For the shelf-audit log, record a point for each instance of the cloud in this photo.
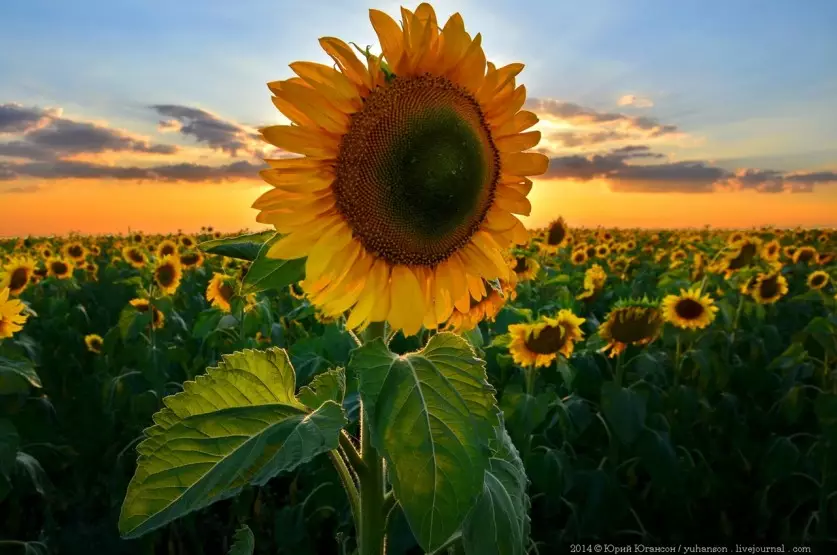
(21, 190)
(635, 101)
(576, 114)
(16, 118)
(769, 181)
(204, 127)
(183, 172)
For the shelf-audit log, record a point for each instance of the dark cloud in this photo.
(769, 181)
(219, 134)
(575, 113)
(186, 172)
(16, 118)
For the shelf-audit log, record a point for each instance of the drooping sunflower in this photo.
(168, 273)
(94, 343)
(296, 290)
(166, 248)
(826, 258)
(557, 235)
(525, 268)
(540, 343)
(220, 291)
(414, 164)
(804, 255)
(769, 288)
(134, 256)
(630, 322)
(743, 255)
(17, 274)
(193, 259)
(59, 268)
(12, 317)
(689, 310)
(818, 279)
(467, 317)
(158, 319)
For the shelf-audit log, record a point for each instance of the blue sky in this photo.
(747, 83)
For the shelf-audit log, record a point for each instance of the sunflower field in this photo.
(396, 365)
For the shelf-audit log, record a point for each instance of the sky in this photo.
(119, 115)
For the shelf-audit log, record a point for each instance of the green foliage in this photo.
(243, 247)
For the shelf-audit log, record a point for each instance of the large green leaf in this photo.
(269, 273)
(431, 415)
(243, 247)
(328, 386)
(17, 376)
(243, 542)
(499, 523)
(238, 424)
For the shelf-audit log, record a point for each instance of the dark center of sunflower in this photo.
(769, 288)
(416, 171)
(95, 344)
(59, 268)
(818, 280)
(635, 326)
(520, 265)
(137, 238)
(136, 256)
(556, 234)
(46, 253)
(18, 279)
(805, 255)
(156, 316)
(165, 275)
(75, 251)
(189, 259)
(226, 291)
(689, 309)
(591, 251)
(142, 307)
(166, 249)
(578, 257)
(549, 340)
(186, 242)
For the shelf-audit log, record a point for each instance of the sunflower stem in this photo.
(677, 354)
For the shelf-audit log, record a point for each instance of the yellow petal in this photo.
(524, 163)
(476, 287)
(382, 303)
(299, 243)
(454, 43)
(459, 285)
(510, 200)
(298, 164)
(315, 108)
(519, 142)
(298, 182)
(343, 56)
(375, 288)
(498, 219)
(390, 37)
(407, 301)
(338, 88)
(442, 303)
(513, 123)
(470, 72)
(492, 251)
(302, 140)
(325, 249)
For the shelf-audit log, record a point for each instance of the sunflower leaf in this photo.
(244, 543)
(328, 386)
(242, 247)
(269, 273)
(431, 415)
(238, 424)
(17, 376)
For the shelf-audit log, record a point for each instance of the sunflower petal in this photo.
(524, 163)
(302, 140)
(407, 301)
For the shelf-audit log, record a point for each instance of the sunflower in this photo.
(804, 255)
(818, 279)
(137, 238)
(824, 259)
(413, 168)
(769, 288)
(746, 251)
(59, 268)
(95, 250)
(94, 343)
(557, 235)
(46, 252)
(17, 275)
(187, 241)
(296, 290)
(220, 291)
(11, 314)
(216, 235)
(689, 310)
(92, 270)
(698, 266)
(158, 319)
(578, 257)
(166, 248)
(167, 274)
(540, 343)
(525, 268)
(75, 251)
(193, 259)
(134, 256)
(630, 322)
(771, 250)
(602, 251)
(466, 317)
(594, 281)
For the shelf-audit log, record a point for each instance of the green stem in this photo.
(620, 369)
(351, 452)
(371, 529)
(677, 363)
(348, 481)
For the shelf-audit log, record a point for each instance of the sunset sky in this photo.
(142, 114)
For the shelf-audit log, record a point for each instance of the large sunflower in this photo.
(630, 322)
(689, 310)
(167, 274)
(769, 288)
(11, 315)
(17, 274)
(134, 256)
(414, 164)
(540, 343)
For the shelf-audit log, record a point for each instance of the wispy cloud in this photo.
(210, 129)
(635, 101)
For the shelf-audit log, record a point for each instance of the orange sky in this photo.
(90, 207)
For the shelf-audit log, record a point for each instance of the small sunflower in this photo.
(540, 343)
(193, 259)
(769, 288)
(789, 251)
(59, 268)
(75, 251)
(578, 257)
(166, 248)
(698, 266)
(557, 235)
(771, 250)
(689, 310)
(92, 270)
(746, 250)
(630, 322)
(824, 259)
(12, 317)
(187, 241)
(138, 238)
(804, 255)
(168, 273)
(818, 279)
(158, 319)
(134, 256)
(46, 252)
(94, 343)
(296, 291)
(602, 251)
(217, 235)
(17, 274)
(525, 268)
(95, 250)
(412, 171)
(220, 291)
